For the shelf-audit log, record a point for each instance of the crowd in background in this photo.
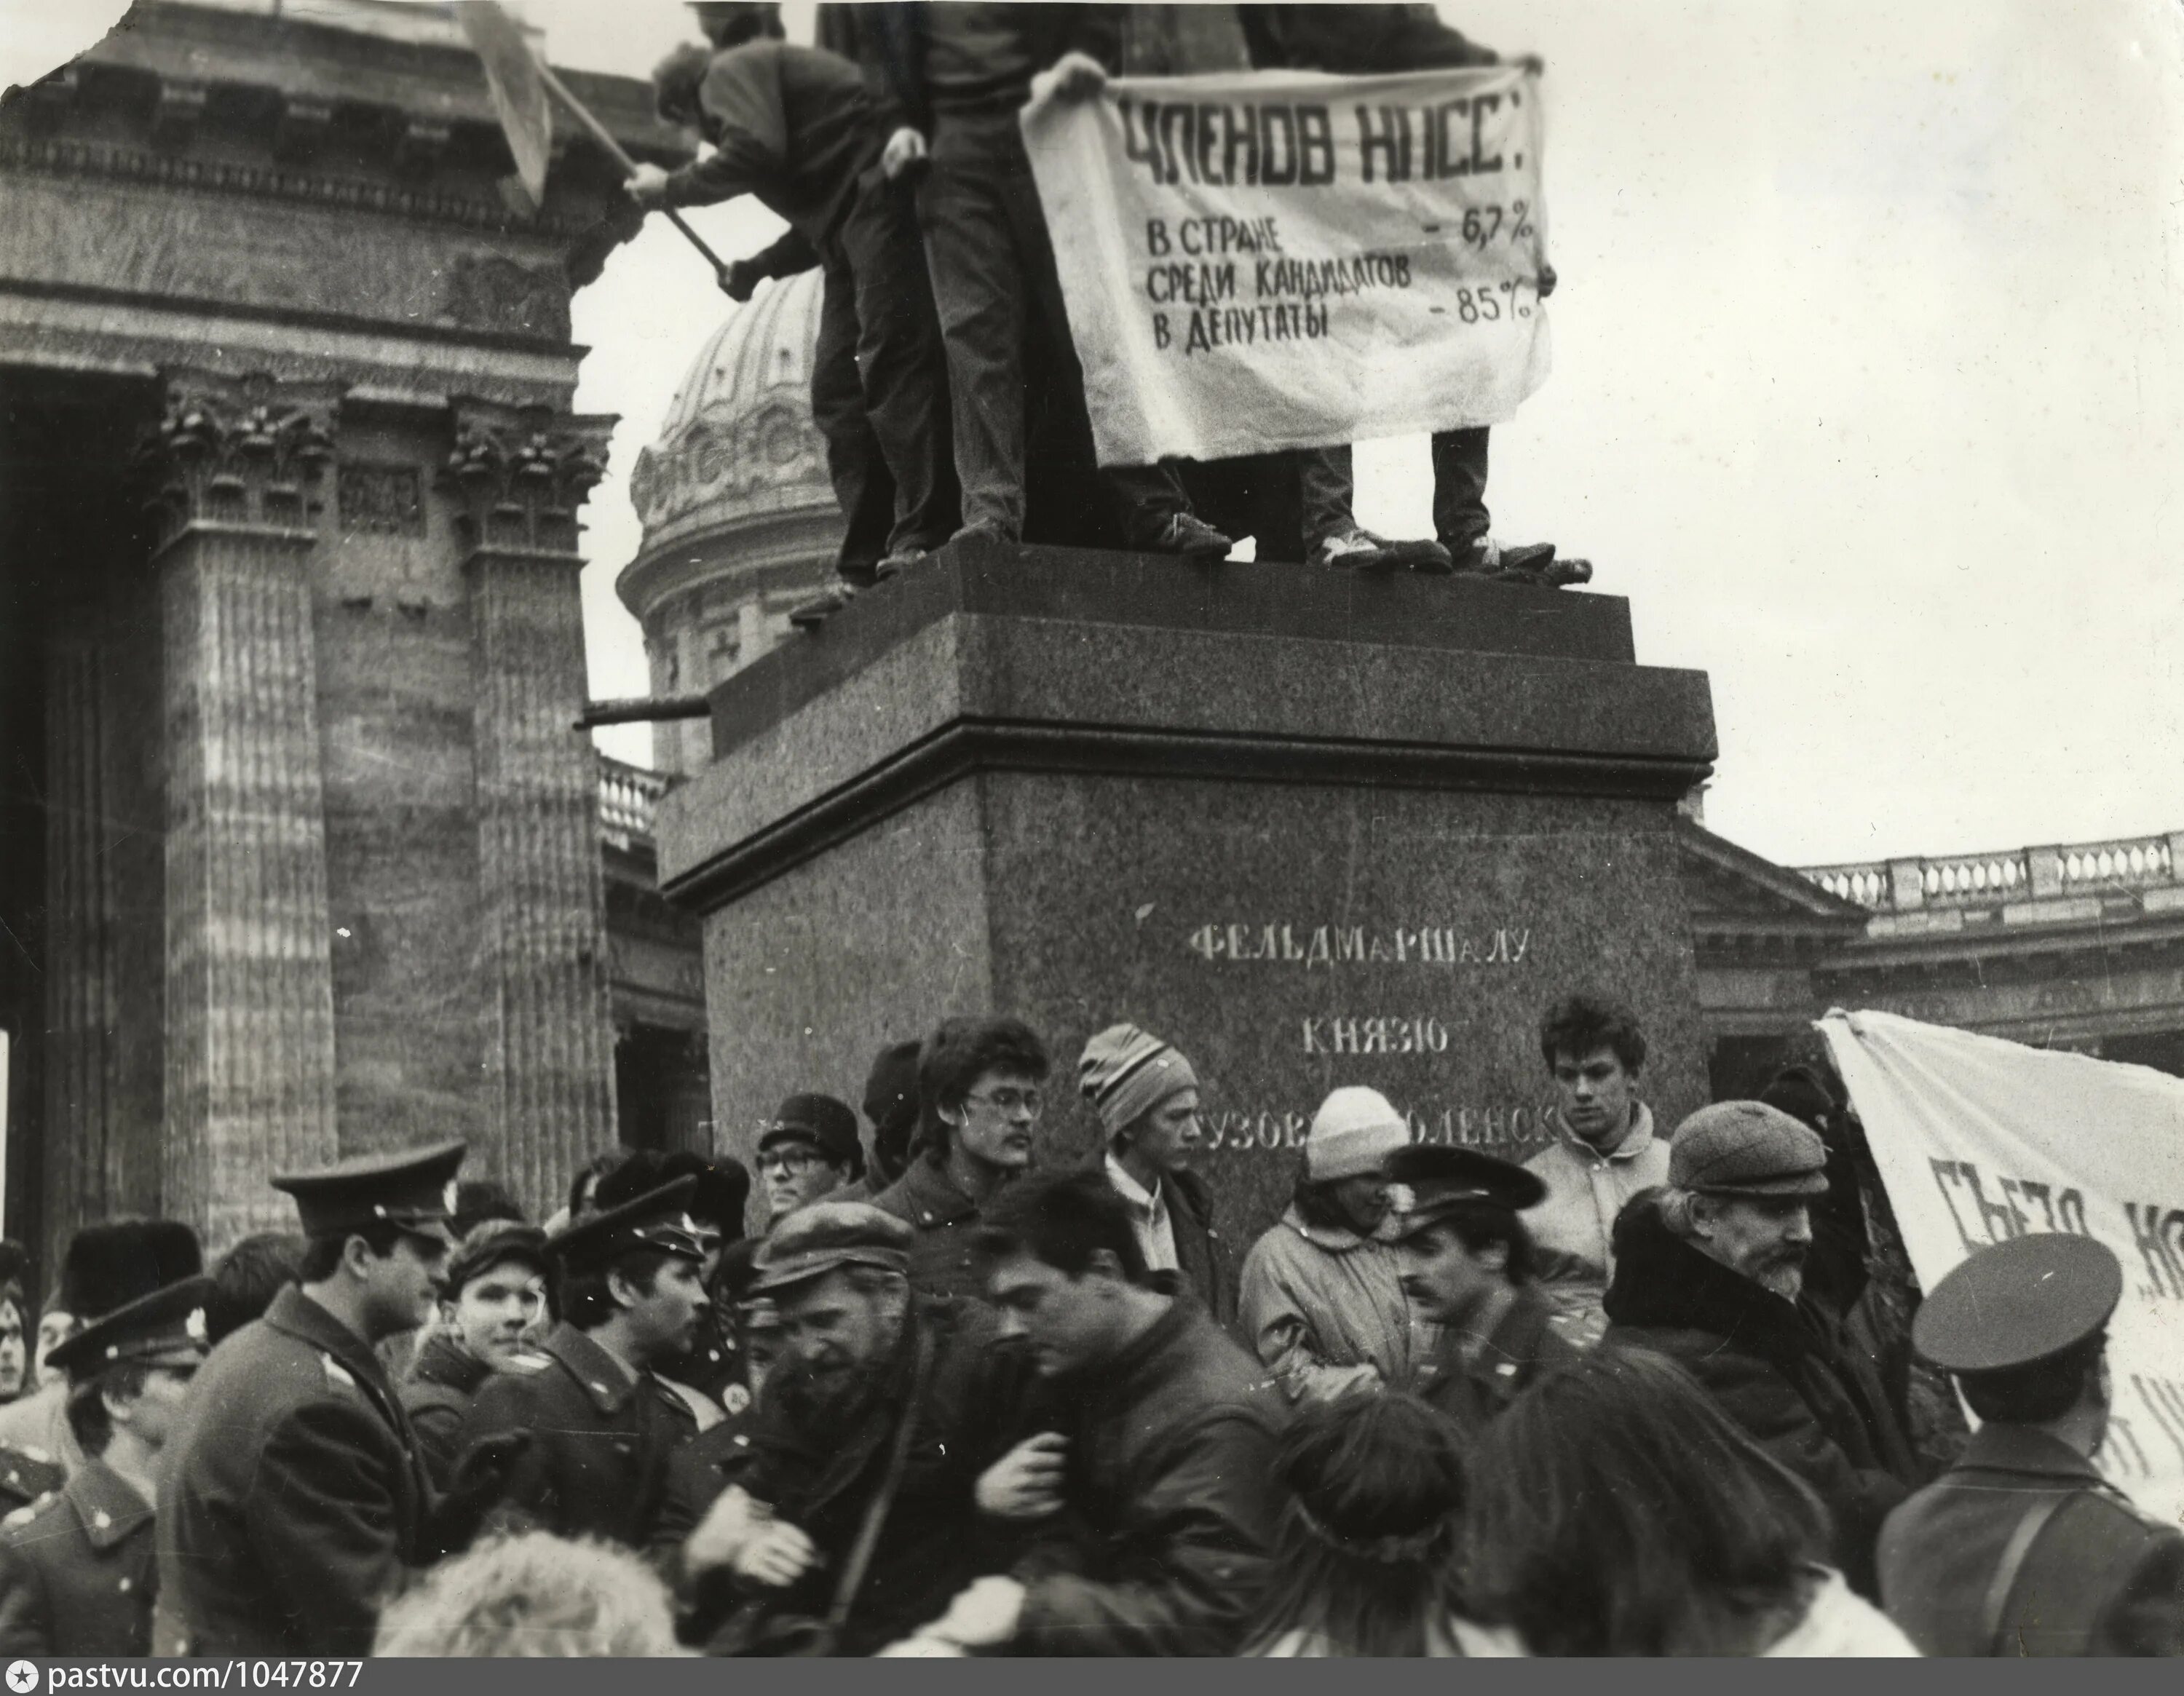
(956, 1394)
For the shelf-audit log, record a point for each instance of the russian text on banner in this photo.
(1978, 1140)
(1259, 261)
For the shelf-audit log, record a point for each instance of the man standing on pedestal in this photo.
(982, 1082)
(295, 1499)
(1604, 1150)
(792, 126)
(81, 1576)
(632, 1291)
(949, 81)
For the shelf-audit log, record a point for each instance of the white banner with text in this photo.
(1980, 1140)
(1256, 261)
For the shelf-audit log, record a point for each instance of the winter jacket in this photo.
(1779, 1369)
(1325, 1310)
(1532, 1337)
(436, 1394)
(1205, 1265)
(942, 1262)
(1169, 1500)
(1586, 1192)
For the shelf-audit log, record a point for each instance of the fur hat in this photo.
(118, 1261)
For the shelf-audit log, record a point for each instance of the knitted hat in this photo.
(1352, 1135)
(1126, 1072)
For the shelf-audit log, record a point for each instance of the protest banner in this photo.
(1978, 1140)
(1260, 261)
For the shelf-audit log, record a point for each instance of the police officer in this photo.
(1468, 1265)
(80, 1577)
(2022, 1548)
(294, 1497)
(630, 1290)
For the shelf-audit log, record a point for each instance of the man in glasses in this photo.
(808, 1152)
(981, 1084)
(493, 1311)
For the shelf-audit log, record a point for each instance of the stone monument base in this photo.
(1314, 829)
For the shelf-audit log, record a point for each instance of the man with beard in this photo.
(492, 1306)
(1710, 1272)
(294, 1500)
(632, 1291)
(1150, 1496)
(873, 1430)
(1468, 1265)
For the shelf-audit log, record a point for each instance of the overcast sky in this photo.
(1869, 389)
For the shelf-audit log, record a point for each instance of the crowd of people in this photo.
(892, 151)
(960, 1394)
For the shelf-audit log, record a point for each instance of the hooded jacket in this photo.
(1324, 1309)
(1779, 1369)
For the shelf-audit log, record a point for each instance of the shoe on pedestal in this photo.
(821, 607)
(899, 561)
(1191, 537)
(1361, 550)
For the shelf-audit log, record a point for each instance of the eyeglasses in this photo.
(1011, 1101)
(790, 1162)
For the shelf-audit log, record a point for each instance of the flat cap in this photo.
(413, 1188)
(1747, 1148)
(486, 1244)
(1442, 1179)
(820, 1122)
(814, 1240)
(2018, 1301)
(659, 1221)
(165, 1328)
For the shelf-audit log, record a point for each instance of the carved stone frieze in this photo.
(238, 450)
(487, 291)
(380, 500)
(522, 473)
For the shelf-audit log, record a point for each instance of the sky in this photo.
(1869, 389)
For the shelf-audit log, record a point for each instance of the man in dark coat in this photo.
(493, 1305)
(294, 1498)
(1149, 1498)
(1146, 1096)
(1468, 1269)
(81, 1576)
(767, 1525)
(2022, 1548)
(631, 1294)
(792, 126)
(1709, 1271)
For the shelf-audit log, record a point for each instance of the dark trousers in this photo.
(1002, 314)
(879, 383)
(1459, 504)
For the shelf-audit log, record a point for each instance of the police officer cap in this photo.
(165, 1328)
(1442, 1180)
(817, 1239)
(658, 1219)
(2018, 1301)
(413, 1188)
(1747, 1148)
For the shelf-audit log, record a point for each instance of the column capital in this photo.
(522, 472)
(243, 451)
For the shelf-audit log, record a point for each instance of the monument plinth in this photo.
(1314, 829)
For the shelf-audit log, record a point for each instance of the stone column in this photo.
(521, 476)
(249, 987)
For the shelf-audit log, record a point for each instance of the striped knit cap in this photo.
(1126, 1072)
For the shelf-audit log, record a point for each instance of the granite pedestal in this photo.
(1314, 829)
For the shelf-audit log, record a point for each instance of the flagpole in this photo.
(599, 133)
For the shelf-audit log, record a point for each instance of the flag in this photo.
(519, 93)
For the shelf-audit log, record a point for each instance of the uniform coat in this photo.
(79, 1576)
(1169, 1500)
(821, 1472)
(1325, 1309)
(1471, 1387)
(1779, 1369)
(2099, 1578)
(598, 1462)
(294, 1498)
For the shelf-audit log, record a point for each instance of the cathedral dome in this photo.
(739, 442)
(740, 521)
